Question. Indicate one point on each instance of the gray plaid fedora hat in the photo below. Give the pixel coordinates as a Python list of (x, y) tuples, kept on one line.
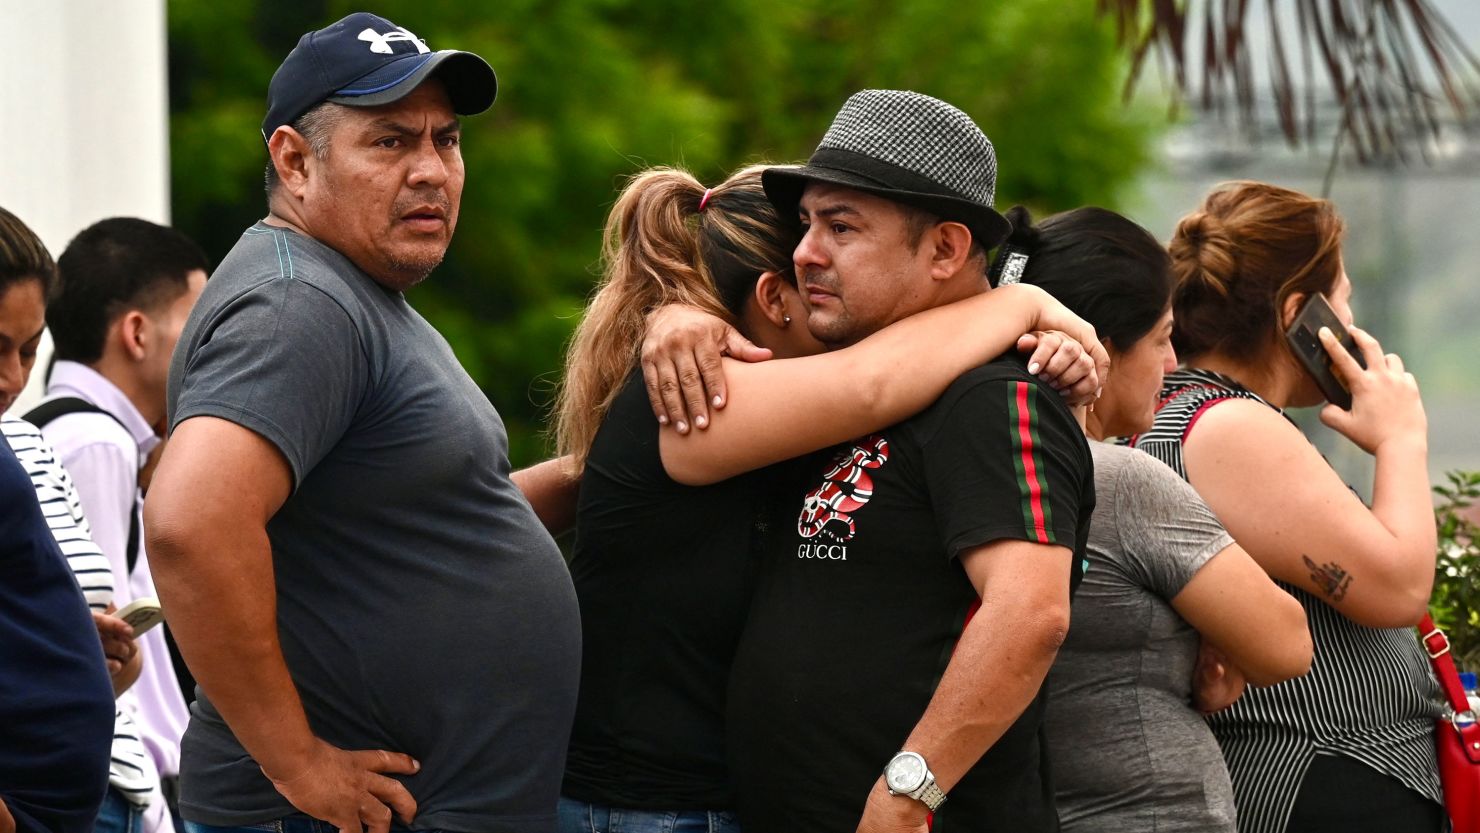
[(910, 148)]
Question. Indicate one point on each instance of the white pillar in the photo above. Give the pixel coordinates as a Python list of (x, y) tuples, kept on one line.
[(84, 116)]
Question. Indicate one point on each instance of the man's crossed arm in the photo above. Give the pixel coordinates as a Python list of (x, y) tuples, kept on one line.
[(997, 669)]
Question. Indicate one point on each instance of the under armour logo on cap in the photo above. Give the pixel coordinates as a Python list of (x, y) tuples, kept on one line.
[(364, 60), (382, 43)]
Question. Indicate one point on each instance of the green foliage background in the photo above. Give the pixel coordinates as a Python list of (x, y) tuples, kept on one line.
[(1456, 600), (592, 90)]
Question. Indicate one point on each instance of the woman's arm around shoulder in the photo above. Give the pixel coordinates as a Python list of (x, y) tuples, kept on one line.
[(780, 409)]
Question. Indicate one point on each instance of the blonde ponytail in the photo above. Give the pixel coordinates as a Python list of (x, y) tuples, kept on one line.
[(650, 254)]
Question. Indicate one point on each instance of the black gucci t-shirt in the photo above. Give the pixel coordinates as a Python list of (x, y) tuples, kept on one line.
[(861, 599)]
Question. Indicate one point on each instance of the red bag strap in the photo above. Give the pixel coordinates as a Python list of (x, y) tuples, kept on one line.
[(1437, 646)]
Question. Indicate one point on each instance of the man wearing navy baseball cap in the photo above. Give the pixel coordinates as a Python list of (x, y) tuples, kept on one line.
[(377, 620)]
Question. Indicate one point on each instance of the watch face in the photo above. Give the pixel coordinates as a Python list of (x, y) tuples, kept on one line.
[(906, 773)]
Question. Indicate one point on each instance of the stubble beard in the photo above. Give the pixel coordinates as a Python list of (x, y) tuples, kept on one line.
[(404, 273), (407, 271), (835, 332)]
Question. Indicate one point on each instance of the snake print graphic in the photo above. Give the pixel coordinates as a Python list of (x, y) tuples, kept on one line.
[(847, 487)]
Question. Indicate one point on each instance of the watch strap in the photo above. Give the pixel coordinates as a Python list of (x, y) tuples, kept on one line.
[(930, 795)]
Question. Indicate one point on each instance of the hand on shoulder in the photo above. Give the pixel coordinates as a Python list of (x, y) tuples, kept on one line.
[(681, 366)]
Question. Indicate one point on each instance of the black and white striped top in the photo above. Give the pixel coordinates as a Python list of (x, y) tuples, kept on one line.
[(1370, 694), (131, 771)]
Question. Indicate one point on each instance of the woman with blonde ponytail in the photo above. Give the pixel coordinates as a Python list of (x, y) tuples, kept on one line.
[(652, 260), (663, 570), (1350, 746)]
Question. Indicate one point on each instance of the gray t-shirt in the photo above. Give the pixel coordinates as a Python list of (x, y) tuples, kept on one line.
[(1129, 753), (421, 606)]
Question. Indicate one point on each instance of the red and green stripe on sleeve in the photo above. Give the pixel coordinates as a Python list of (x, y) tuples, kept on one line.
[(1027, 459)]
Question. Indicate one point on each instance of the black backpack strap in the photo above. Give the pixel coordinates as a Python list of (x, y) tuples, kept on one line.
[(43, 414)]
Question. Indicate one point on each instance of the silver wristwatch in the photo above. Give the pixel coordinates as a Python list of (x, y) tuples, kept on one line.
[(907, 774)]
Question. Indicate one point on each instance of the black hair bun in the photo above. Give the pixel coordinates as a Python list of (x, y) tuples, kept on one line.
[(1024, 235)]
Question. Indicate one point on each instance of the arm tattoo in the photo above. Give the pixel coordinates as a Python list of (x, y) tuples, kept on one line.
[(1330, 577)]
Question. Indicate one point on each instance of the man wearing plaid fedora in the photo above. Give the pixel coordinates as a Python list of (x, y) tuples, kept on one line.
[(917, 585)]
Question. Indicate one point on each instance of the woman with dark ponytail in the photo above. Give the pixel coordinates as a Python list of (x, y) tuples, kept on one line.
[(1350, 746), (1128, 748), (665, 524)]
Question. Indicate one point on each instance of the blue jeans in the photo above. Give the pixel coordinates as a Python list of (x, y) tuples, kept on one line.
[(580, 817), (296, 823), (118, 815)]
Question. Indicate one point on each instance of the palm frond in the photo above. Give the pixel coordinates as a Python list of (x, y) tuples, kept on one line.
[(1392, 65)]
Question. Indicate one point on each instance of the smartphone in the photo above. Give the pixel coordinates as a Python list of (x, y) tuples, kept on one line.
[(1305, 343), (142, 614)]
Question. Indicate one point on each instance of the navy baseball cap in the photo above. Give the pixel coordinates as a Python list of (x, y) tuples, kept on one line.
[(364, 60)]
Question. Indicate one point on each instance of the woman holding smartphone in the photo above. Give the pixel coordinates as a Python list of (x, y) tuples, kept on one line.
[(1350, 746)]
